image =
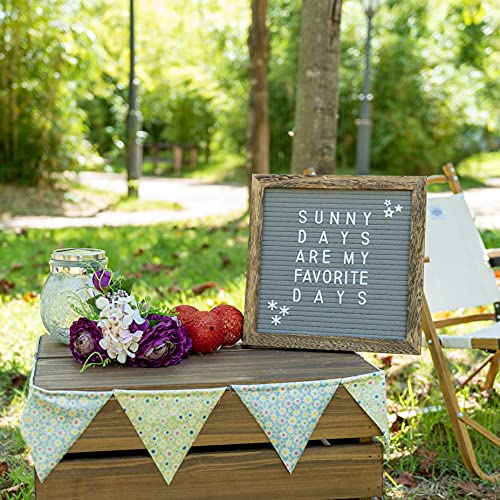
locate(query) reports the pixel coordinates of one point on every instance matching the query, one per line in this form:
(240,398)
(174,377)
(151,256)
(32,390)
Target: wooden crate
(231,458)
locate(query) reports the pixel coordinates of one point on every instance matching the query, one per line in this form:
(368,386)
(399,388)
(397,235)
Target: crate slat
(343,471)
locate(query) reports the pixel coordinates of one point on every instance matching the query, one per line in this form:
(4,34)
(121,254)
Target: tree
(47,60)
(258,116)
(318,87)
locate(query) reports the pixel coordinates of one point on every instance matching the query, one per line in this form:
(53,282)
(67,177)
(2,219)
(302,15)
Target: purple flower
(158,317)
(84,336)
(134,327)
(166,343)
(101,280)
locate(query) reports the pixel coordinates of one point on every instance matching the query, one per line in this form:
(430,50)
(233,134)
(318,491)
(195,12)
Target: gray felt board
(335,262)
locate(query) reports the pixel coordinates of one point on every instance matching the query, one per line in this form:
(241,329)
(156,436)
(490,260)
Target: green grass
(227,168)
(422,441)
(481,166)
(475,171)
(134,205)
(168,260)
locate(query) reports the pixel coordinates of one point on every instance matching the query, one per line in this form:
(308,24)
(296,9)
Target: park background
(63,93)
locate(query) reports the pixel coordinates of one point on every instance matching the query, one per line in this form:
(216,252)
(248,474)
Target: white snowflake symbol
(387,203)
(276,320)
(284,311)
(398,208)
(389,212)
(272,304)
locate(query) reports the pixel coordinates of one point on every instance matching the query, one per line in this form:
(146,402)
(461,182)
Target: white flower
(116,316)
(102,302)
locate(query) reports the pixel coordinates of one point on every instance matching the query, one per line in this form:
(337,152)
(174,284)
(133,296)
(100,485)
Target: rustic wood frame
(412,342)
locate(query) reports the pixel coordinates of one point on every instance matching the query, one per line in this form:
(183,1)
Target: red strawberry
(233,323)
(184,311)
(205,330)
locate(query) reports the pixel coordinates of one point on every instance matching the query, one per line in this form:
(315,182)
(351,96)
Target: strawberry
(184,311)
(233,323)
(205,330)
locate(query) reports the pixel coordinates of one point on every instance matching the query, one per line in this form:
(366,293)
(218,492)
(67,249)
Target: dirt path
(201,199)
(485,205)
(198,199)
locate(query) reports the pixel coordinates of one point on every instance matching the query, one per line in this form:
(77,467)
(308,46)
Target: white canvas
(458,274)
(465,341)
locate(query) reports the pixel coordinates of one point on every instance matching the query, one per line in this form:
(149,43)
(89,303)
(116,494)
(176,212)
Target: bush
(45,57)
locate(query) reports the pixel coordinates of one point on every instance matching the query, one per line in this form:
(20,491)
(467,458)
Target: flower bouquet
(115,327)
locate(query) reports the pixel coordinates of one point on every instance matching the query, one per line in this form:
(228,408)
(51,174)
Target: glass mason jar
(69,279)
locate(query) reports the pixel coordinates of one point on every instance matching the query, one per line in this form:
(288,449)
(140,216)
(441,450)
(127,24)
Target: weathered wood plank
(228,366)
(341,182)
(230,423)
(343,471)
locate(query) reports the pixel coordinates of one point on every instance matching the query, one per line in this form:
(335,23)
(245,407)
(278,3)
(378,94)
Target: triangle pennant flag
(168,422)
(369,392)
(53,420)
(288,413)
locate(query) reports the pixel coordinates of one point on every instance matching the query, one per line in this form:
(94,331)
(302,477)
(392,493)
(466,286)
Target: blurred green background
(64,70)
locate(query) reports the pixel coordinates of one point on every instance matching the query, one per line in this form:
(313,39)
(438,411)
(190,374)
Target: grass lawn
(171,259)
(224,168)
(475,171)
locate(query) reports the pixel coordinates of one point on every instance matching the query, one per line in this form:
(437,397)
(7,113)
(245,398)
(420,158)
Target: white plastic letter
(296,295)
(326,256)
(319,297)
(363,277)
(335,217)
(302,236)
(303,216)
(298,274)
(348,258)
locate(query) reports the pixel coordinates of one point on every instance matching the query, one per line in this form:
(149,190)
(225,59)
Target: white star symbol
(389,212)
(276,320)
(272,304)
(284,310)
(387,203)
(398,208)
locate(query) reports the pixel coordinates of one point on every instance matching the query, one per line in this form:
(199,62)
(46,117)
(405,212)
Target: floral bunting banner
(168,422)
(53,420)
(369,392)
(288,413)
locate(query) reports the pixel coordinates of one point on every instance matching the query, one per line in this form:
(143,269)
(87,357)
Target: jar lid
(78,254)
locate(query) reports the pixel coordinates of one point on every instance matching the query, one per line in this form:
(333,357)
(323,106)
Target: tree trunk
(314,142)
(258,119)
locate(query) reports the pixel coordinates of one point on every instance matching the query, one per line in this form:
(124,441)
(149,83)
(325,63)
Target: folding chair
(458,275)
